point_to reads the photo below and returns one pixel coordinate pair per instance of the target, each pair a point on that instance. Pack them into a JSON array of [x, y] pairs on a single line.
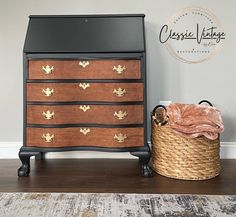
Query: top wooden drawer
[[80, 69]]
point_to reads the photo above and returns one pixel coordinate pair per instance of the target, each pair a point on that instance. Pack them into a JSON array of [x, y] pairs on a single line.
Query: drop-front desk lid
[[85, 33]]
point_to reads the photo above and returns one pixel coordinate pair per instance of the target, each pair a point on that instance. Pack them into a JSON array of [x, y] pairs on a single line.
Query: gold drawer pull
[[120, 114], [84, 86], [48, 137], [48, 69], [119, 69], [48, 91], [84, 108], [83, 63], [119, 92], [120, 137], [84, 130], [48, 115]]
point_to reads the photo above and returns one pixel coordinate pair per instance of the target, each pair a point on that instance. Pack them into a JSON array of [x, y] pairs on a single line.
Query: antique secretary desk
[[85, 86]]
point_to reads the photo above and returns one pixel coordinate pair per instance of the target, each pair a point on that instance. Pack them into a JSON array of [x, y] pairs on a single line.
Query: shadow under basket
[[178, 157]]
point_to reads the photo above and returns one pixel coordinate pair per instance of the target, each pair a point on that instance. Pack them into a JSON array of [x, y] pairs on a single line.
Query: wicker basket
[[178, 157]]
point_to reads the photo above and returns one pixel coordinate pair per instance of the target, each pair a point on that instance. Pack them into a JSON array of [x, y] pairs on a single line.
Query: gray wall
[[168, 79]]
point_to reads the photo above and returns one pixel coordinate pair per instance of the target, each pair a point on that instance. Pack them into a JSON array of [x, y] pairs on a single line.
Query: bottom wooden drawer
[[78, 136]]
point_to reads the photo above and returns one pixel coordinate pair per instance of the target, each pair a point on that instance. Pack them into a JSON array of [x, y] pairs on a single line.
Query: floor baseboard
[[9, 150], [228, 150]]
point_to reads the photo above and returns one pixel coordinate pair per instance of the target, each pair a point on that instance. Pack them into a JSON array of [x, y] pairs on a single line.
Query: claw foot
[[23, 171], [146, 171]]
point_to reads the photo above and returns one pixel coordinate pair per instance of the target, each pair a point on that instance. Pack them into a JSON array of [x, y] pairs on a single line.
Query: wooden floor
[[106, 175]]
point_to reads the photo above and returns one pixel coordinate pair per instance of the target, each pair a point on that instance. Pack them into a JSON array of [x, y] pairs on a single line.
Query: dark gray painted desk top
[[85, 33]]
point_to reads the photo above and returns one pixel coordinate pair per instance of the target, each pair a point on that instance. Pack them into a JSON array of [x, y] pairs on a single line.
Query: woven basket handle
[[206, 101], [154, 115]]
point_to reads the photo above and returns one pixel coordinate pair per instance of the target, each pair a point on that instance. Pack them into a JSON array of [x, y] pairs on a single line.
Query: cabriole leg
[[144, 157], [40, 156], [24, 156]]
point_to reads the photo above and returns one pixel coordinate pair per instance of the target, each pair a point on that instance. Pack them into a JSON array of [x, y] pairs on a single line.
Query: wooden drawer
[[62, 92], [79, 114], [75, 136], [92, 69]]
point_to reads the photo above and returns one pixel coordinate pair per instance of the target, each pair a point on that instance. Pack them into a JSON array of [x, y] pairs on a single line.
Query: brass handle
[[83, 63], [119, 69], [119, 92], [84, 86], [48, 115], [48, 69], [84, 108], [84, 130], [48, 137], [48, 91], [120, 137], [120, 114]]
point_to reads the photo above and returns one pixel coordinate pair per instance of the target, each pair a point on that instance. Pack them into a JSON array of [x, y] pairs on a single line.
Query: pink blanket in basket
[[195, 120]]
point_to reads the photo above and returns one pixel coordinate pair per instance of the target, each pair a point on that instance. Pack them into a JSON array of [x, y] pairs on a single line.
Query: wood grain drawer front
[[79, 69], [80, 114], [99, 137], [62, 92]]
